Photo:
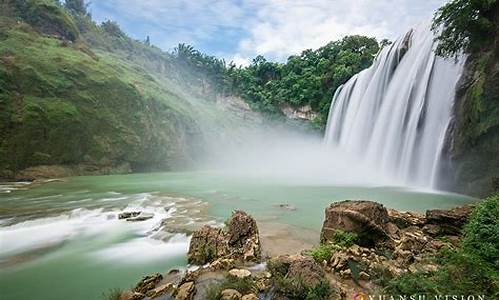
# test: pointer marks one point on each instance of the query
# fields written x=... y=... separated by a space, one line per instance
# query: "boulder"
x=230 y=294
x=451 y=221
x=239 y=242
x=367 y=219
x=186 y=291
x=300 y=269
x=306 y=270
x=207 y=244
x=250 y=297
x=148 y=283
x=240 y=273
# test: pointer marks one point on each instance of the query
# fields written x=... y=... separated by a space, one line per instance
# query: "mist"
x=289 y=156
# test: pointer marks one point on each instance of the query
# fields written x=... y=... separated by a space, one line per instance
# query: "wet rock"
x=186 y=291
x=148 y=283
x=250 y=297
x=130 y=214
x=240 y=273
x=365 y=218
x=451 y=221
x=288 y=207
x=230 y=294
x=141 y=217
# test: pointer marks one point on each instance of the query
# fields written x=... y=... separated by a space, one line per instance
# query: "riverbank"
x=365 y=249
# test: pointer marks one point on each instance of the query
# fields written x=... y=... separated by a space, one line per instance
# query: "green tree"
x=466 y=25
x=77 y=7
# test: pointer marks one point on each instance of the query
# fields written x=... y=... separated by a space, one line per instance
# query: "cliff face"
x=472 y=142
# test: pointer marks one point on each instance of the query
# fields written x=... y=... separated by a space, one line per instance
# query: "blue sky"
x=239 y=30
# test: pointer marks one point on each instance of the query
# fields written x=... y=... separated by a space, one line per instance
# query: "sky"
x=239 y=30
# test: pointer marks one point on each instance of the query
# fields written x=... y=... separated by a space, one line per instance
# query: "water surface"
x=62 y=240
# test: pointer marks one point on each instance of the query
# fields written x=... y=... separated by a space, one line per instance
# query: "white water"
x=394 y=115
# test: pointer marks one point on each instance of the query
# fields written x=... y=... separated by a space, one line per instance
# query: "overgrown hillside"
x=96 y=110
x=89 y=99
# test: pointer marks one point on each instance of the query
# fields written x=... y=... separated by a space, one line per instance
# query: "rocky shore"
x=362 y=244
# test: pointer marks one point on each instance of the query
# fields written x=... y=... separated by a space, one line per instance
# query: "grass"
x=339 y=240
x=242 y=285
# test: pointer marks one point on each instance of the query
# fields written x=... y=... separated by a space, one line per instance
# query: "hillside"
x=89 y=99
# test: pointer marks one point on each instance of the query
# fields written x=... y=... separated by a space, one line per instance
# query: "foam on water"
x=144 y=249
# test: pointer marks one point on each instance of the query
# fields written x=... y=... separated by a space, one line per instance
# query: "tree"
x=465 y=25
x=77 y=7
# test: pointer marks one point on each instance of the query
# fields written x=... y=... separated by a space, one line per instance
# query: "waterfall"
x=394 y=115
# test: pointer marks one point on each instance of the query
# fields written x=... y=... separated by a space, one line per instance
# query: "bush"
x=340 y=239
x=343 y=239
x=467 y=25
x=323 y=252
x=471 y=269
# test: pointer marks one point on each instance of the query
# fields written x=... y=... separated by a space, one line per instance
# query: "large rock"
x=230 y=294
x=367 y=219
x=148 y=283
x=186 y=291
x=207 y=244
x=240 y=241
x=302 y=272
x=243 y=237
x=449 y=221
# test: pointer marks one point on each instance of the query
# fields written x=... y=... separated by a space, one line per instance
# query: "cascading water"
x=394 y=115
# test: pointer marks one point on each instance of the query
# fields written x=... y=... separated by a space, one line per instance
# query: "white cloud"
x=273 y=28
x=281 y=28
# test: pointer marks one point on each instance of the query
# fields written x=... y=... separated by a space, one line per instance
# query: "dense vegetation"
x=472 y=26
x=472 y=269
x=306 y=79
x=76 y=93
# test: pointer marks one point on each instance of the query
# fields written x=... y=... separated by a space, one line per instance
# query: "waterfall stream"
x=394 y=115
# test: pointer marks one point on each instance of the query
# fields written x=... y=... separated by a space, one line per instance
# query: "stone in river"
x=130 y=214
x=141 y=217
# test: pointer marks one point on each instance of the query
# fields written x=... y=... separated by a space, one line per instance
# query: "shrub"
x=471 y=269
x=468 y=25
x=323 y=252
x=339 y=240
x=343 y=239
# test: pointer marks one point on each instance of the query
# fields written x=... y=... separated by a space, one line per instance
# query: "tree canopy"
x=466 y=25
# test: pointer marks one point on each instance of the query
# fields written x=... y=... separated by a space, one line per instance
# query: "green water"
x=61 y=240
